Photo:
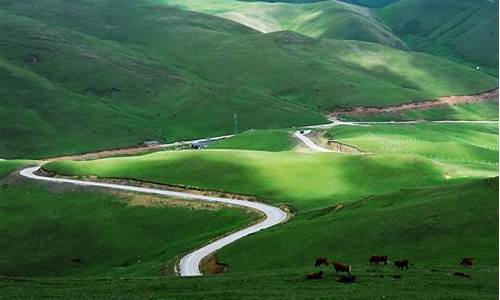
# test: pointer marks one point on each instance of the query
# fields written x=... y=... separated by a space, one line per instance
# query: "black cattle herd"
x=375 y=260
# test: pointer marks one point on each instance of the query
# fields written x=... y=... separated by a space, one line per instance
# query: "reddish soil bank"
x=491 y=95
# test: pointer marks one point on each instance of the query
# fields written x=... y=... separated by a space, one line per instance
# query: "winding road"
x=190 y=264
x=302 y=136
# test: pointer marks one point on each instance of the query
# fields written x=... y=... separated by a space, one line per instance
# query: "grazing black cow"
x=378 y=259
x=321 y=261
x=402 y=264
x=468 y=261
x=315 y=275
x=340 y=267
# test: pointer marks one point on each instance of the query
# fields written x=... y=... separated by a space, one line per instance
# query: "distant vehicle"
x=302 y=132
x=199 y=144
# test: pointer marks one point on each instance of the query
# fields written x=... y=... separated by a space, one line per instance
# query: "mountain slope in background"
x=87 y=75
x=369 y=3
x=460 y=29
x=325 y=19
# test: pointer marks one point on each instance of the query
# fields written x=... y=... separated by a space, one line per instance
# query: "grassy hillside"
x=485 y=111
x=66 y=231
x=447 y=143
x=78 y=70
x=418 y=283
x=433 y=227
x=421 y=224
x=459 y=29
x=95 y=82
x=326 y=74
x=398 y=156
x=262 y=140
x=9 y=166
x=324 y=19
x=371 y=3
x=302 y=180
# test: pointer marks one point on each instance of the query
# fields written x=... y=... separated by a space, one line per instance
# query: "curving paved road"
x=189 y=264
x=310 y=144
x=314 y=147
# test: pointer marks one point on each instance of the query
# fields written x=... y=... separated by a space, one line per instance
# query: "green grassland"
x=262 y=140
x=484 y=111
x=421 y=228
x=459 y=29
x=433 y=227
x=92 y=84
x=449 y=143
x=426 y=202
x=418 y=283
x=371 y=3
x=302 y=180
x=411 y=171
x=44 y=228
x=398 y=156
x=121 y=67
x=9 y=166
x=462 y=30
x=323 y=19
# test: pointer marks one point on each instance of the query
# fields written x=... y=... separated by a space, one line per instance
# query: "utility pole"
x=236 y=123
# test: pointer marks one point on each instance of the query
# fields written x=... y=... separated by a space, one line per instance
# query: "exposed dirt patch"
x=321 y=138
x=136 y=199
x=135 y=150
x=491 y=95
x=211 y=265
x=342 y=147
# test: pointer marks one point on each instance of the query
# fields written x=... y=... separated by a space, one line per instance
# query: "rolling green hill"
x=371 y=3
x=401 y=157
x=89 y=81
x=435 y=227
x=420 y=174
x=302 y=180
x=404 y=205
x=485 y=111
x=324 y=19
x=462 y=30
x=262 y=140
x=9 y=166
x=87 y=75
x=459 y=29
x=52 y=231
x=446 y=143
x=417 y=283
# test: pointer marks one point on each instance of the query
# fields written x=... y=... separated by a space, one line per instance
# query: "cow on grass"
x=340 y=267
x=321 y=261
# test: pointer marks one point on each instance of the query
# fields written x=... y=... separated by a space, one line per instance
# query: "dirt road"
x=443 y=101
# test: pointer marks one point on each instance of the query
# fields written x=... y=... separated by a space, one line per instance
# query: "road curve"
x=310 y=144
x=189 y=264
